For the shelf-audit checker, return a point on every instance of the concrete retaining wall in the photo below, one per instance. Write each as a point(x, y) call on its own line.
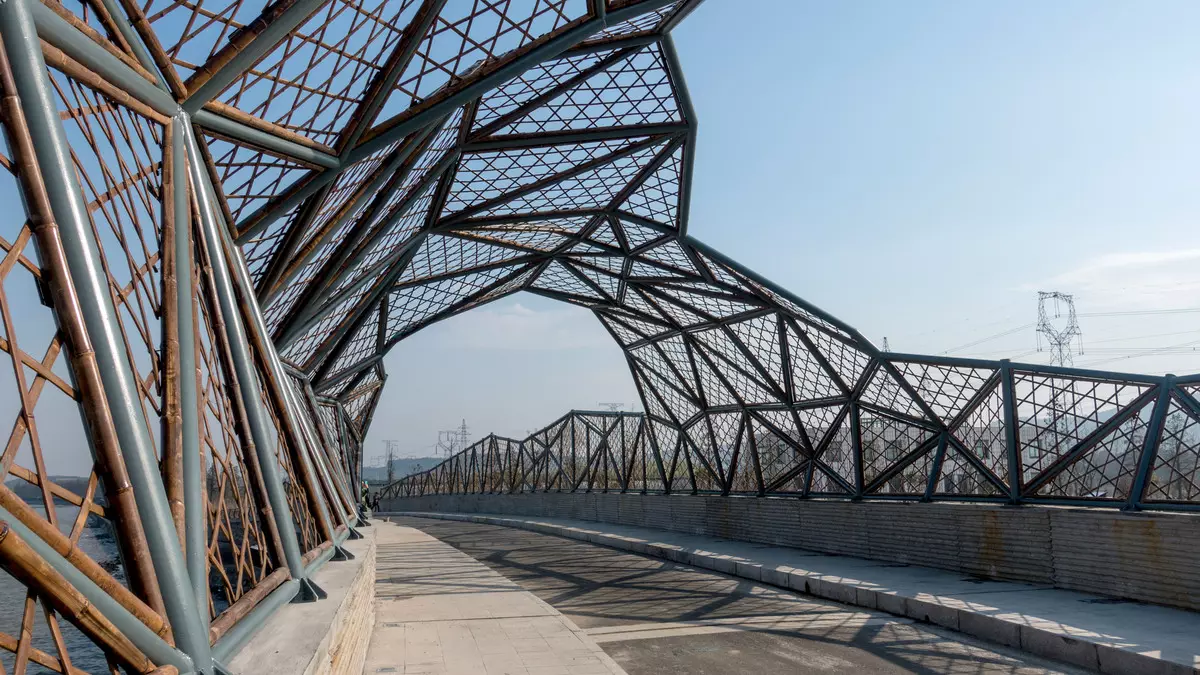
point(326, 637)
point(350, 631)
point(1149, 557)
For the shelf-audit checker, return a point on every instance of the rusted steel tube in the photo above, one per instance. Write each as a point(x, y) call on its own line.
point(234, 393)
point(249, 600)
point(195, 502)
point(90, 568)
point(279, 130)
point(57, 58)
point(172, 419)
point(25, 565)
point(92, 401)
point(312, 555)
point(332, 447)
point(239, 40)
point(150, 40)
point(294, 441)
point(82, 26)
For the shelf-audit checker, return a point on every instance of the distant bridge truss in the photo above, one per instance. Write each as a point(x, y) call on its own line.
point(232, 210)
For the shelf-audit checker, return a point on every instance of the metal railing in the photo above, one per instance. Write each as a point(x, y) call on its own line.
point(953, 429)
point(215, 253)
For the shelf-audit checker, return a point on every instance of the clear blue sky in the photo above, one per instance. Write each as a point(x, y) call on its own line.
point(917, 168)
point(906, 164)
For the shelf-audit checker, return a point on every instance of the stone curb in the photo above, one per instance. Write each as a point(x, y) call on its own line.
point(949, 613)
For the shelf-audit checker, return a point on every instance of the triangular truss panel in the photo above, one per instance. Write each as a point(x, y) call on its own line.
point(414, 306)
point(833, 471)
point(781, 457)
point(497, 176)
point(897, 456)
point(635, 90)
point(1056, 414)
point(527, 89)
point(946, 389)
point(657, 197)
point(1106, 467)
point(192, 32)
point(643, 23)
point(588, 186)
point(467, 35)
point(314, 80)
point(250, 176)
point(981, 435)
point(1175, 475)
point(442, 255)
point(234, 209)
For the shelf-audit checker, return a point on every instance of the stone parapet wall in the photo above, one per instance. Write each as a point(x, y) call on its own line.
point(1148, 557)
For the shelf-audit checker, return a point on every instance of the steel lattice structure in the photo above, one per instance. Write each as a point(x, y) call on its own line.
point(271, 196)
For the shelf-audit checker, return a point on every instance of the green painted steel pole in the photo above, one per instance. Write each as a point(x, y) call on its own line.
point(266, 441)
point(85, 261)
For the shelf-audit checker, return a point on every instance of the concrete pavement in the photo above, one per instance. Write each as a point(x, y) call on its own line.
point(1122, 638)
point(440, 612)
point(654, 616)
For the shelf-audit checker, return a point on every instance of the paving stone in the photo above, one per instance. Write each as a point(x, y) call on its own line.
point(440, 612)
point(1122, 638)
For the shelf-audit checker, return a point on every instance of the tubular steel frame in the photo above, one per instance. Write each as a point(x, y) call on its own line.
point(233, 210)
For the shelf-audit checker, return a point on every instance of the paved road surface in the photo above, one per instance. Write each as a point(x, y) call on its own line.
point(657, 617)
point(438, 611)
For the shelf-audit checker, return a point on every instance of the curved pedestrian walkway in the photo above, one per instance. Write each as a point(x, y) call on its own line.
point(440, 612)
point(655, 616)
point(1091, 631)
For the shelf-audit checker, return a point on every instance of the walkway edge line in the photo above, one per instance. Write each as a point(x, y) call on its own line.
point(944, 612)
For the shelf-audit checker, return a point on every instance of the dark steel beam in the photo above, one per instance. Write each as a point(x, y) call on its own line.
point(246, 47)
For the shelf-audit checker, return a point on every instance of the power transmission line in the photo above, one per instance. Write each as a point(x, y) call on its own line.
point(1145, 312)
point(1139, 337)
point(989, 338)
point(1151, 352)
point(1128, 352)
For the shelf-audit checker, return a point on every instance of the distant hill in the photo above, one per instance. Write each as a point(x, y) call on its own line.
point(76, 484)
point(400, 468)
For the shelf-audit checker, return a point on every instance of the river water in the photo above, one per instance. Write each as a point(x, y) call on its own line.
point(98, 542)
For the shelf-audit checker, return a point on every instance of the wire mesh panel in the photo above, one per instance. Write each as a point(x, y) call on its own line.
point(242, 546)
point(54, 490)
point(1099, 445)
point(379, 169)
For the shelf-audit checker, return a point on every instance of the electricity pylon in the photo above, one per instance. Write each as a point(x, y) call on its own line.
point(1060, 341)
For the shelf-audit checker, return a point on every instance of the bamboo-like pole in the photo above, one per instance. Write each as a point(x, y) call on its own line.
point(137, 18)
point(90, 568)
point(25, 565)
point(110, 464)
point(249, 600)
point(291, 436)
point(172, 419)
point(83, 27)
point(233, 390)
point(295, 443)
point(59, 60)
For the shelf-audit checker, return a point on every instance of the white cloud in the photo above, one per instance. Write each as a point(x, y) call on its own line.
point(1132, 280)
point(521, 326)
